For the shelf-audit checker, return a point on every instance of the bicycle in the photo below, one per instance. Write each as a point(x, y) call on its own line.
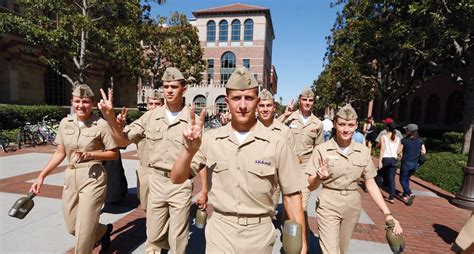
point(27, 134)
point(48, 130)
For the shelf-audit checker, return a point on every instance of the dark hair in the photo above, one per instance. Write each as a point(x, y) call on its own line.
point(412, 135)
point(391, 128)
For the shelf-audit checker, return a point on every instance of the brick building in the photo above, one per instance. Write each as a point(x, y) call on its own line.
point(232, 36)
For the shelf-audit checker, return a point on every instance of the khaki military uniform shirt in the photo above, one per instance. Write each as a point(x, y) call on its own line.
point(93, 136)
point(306, 136)
point(283, 131)
point(344, 169)
point(163, 140)
point(244, 176)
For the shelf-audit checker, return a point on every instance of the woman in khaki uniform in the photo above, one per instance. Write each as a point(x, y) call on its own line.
point(338, 164)
point(85, 140)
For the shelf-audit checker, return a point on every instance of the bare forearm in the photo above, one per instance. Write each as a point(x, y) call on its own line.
point(314, 182)
point(376, 195)
point(180, 171)
point(106, 155)
point(53, 163)
point(116, 131)
point(203, 175)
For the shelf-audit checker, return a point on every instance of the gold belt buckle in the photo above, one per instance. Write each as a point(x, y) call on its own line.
point(242, 221)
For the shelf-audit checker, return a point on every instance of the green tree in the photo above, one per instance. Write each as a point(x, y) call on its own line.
point(386, 49)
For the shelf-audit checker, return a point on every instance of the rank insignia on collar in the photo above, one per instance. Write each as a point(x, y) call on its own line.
point(263, 162)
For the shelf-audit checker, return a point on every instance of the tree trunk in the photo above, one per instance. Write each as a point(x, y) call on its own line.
point(468, 114)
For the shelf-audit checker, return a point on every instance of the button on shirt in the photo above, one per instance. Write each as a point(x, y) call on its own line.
point(244, 176)
point(343, 169)
point(163, 140)
point(94, 135)
point(306, 136)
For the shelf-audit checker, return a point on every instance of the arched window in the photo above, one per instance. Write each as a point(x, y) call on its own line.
point(227, 66)
point(248, 30)
point(454, 109)
point(235, 30)
point(415, 114)
point(221, 105)
point(432, 109)
point(402, 110)
point(55, 89)
point(223, 30)
point(199, 103)
point(211, 31)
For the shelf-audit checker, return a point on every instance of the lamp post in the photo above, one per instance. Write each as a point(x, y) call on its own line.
point(338, 93)
point(465, 197)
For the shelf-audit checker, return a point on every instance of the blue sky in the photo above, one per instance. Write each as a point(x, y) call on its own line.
point(300, 30)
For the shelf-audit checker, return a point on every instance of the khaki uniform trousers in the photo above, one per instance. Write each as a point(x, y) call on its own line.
point(143, 174)
point(83, 196)
point(305, 193)
point(232, 234)
point(337, 213)
point(466, 237)
point(167, 225)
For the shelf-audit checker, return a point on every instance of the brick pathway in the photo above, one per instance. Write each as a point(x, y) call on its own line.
point(430, 225)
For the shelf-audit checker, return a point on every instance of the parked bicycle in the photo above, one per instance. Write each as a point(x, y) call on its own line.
point(48, 129)
point(28, 134)
point(4, 141)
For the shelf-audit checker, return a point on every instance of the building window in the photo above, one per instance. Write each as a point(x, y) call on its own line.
point(415, 114)
point(246, 63)
point(223, 30)
point(211, 31)
point(432, 109)
point(248, 30)
point(56, 91)
point(402, 110)
point(236, 30)
point(220, 104)
point(227, 66)
point(454, 109)
point(199, 103)
point(210, 70)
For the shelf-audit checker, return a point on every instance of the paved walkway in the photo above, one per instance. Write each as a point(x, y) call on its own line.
point(430, 225)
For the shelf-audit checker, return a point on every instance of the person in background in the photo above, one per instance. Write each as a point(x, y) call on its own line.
point(389, 148)
point(410, 150)
point(370, 132)
point(327, 128)
point(85, 140)
point(337, 165)
point(384, 132)
point(358, 137)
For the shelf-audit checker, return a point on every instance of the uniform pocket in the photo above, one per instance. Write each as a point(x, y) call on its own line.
point(219, 174)
point(261, 178)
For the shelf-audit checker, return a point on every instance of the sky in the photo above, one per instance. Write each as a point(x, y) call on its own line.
point(300, 30)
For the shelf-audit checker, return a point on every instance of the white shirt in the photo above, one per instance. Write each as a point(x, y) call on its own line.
point(171, 115)
point(327, 125)
point(241, 136)
point(305, 119)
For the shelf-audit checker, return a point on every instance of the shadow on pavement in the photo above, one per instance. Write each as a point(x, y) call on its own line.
point(128, 203)
point(129, 237)
point(447, 234)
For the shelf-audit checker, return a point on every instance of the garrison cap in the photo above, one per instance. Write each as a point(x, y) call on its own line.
point(172, 74)
point(154, 94)
point(83, 90)
point(307, 92)
point(241, 79)
point(265, 95)
point(347, 112)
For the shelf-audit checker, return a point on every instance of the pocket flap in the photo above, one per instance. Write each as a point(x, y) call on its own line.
point(217, 166)
point(90, 134)
point(262, 170)
point(155, 135)
point(68, 131)
point(360, 163)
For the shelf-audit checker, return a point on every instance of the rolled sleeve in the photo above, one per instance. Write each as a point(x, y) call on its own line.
point(59, 136)
point(369, 171)
point(313, 163)
point(135, 131)
point(107, 139)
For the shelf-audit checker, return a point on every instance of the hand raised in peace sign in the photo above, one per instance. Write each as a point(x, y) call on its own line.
point(105, 104)
point(192, 134)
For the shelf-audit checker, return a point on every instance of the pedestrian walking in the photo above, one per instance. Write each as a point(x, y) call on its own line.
point(85, 140)
point(384, 131)
point(412, 147)
point(387, 168)
point(337, 165)
point(327, 128)
point(162, 128)
point(246, 161)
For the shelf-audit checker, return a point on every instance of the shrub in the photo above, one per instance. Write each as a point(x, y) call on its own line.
point(134, 115)
point(444, 169)
point(13, 116)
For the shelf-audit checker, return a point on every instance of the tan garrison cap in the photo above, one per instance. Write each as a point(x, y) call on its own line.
point(83, 90)
point(172, 74)
point(307, 92)
point(265, 95)
point(347, 112)
point(154, 94)
point(241, 79)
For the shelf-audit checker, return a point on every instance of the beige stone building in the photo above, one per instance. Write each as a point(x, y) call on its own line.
point(232, 36)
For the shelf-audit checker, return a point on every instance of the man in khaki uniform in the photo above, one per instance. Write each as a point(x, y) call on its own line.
point(306, 129)
point(266, 109)
point(246, 162)
point(162, 129)
point(84, 139)
point(465, 241)
point(154, 99)
point(338, 164)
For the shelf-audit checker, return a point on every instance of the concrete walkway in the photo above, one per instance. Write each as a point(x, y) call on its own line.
point(430, 225)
